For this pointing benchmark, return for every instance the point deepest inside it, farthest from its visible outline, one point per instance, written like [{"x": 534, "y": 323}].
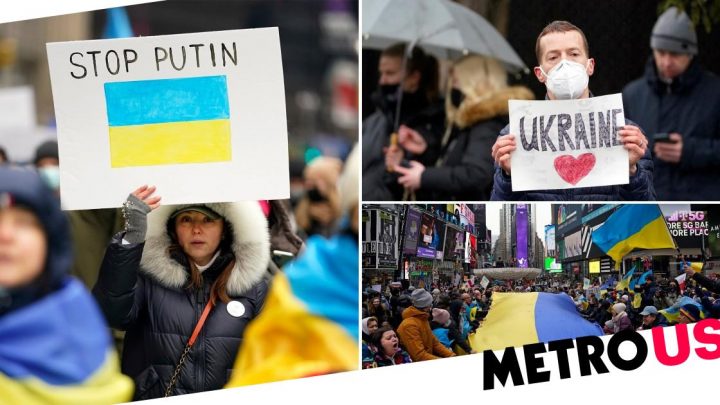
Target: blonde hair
[{"x": 478, "y": 77}]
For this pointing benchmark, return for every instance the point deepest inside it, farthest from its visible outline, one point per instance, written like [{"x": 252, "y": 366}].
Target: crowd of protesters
[{"x": 404, "y": 324}]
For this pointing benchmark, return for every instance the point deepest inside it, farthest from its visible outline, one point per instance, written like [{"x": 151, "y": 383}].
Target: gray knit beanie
[
  {"x": 674, "y": 32},
  {"x": 421, "y": 298}
]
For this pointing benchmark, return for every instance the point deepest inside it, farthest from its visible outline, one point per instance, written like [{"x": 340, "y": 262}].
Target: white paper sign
[
  {"x": 568, "y": 143},
  {"x": 484, "y": 282},
  {"x": 18, "y": 107},
  {"x": 201, "y": 116}
]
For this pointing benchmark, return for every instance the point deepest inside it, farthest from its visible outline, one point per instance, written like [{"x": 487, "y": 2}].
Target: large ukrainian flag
[
  {"x": 633, "y": 226},
  {"x": 58, "y": 351},
  {"x": 309, "y": 323},
  {"x": 168, "y": 121},
  {"x": 518, "y": 319}
]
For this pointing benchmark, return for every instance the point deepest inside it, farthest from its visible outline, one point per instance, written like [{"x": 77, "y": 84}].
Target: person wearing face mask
[
  {"x": 421, "y": 116},
  {"x": 47, "y": 163},
  {"x": 565, "y": 67},
  {"x": 316, "y": 211},
  {"x": 678, "y": 103},
  {"x": 477, "y": 108}
]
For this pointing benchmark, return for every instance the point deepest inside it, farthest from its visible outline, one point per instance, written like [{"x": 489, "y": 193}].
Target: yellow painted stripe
[
  {"x": 654, "y": 235},
  {"x": 170, "y": 143},
  {"x": 510, "y": 322},
  {"x": 105, "y": 386}
]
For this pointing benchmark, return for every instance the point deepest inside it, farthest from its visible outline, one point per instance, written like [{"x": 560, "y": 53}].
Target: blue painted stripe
[
  {"x": 167, "y": 100},
  {"x": 623, "y": 223},
  {"x": 557, "y": 318},
  {"x": 61, "y": 339}
]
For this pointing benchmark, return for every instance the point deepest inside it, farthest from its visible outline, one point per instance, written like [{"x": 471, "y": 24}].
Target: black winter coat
[
  {"x": 689, "y": 106},
  {"x": 142, "y": 289},
  {"x": 426, "y": 118},
  {"x": 465, "y": 168}
]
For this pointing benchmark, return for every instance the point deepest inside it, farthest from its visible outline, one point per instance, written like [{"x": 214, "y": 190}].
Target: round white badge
[{"x": 236, "y": 309}]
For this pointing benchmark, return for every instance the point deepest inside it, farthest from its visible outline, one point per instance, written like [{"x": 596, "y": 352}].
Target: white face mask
[{"x": 567, "y": 80}]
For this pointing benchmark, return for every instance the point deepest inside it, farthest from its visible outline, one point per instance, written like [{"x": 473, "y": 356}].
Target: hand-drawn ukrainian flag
[
  {"x": 168, "y": 121},
  {"x": 58, "y": 351},
  {"x": 633, "y": 226},
  {"x": 517, "y": 319},
  {"x": 673, "y": 313},
  {"x": 309, "y": 324}
]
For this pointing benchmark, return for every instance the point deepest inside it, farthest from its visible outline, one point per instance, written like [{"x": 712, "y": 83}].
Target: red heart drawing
[{"x": 573, "y": 169}]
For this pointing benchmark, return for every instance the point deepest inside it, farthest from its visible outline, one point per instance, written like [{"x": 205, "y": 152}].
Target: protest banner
[
  {"x": 201, "y": 116},
  {"x": 568, "y": 143}
]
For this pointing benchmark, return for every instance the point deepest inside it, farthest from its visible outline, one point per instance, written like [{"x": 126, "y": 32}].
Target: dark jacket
[
  {"x": 465, "y": 168},
  {"x": 660, "y": 321},
  {"x": 689, "y": 106},
  {"x": 426, "y": 118},
  {"x": 143, "y": 289},
  {"x": 640, "y": 187},
  {"x": 712, "y": 286},
  {"x": 379, "y": 359}
]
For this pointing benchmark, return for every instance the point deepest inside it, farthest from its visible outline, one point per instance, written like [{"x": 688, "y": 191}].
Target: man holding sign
[{"x": 570, "y": 150}]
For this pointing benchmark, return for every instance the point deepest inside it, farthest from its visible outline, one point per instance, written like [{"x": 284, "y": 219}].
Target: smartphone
[{"x": 663, "y": 137}]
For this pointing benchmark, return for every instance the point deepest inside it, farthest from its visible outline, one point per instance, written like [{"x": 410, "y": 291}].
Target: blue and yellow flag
[
  {"x": 673, "y": 313},
  {"x": 309, "y": 324},
  {"x": 633, "y": 226},
  {"x": 625, "y": 282},
  {"x": 644, "y": 276},
  {"x": 58, "y": 350},
  {"x": 517, "y": 319},
  {"x": 168, "y": 121}
]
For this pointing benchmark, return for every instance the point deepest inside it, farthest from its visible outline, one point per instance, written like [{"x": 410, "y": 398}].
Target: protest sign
[
  {"x": 484, "y": 282},
  {"x": 201, "y": 116},
  {"x": 568, "y": 143}
]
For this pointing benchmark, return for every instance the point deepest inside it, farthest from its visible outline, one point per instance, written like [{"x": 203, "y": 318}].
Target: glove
[{"x": 135, "y": 213}]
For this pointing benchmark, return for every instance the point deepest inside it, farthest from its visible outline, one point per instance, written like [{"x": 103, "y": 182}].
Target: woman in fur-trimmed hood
[
  {"x": 476, "y": 106},
  {"x": 159, "y": 275}
]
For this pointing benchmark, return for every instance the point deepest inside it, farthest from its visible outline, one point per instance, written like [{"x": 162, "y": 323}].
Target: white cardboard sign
[
  {"x": 484, "y": 282},
  {"x": 201, "y": 116},
  {"x": 568, "y": 143}
]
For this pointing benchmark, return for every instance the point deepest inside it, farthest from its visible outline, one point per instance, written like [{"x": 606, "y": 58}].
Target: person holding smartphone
[{"x": 678, "y": 103}]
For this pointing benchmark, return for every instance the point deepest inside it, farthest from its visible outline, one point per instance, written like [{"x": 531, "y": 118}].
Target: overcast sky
[{"x": 492, "y": 218}]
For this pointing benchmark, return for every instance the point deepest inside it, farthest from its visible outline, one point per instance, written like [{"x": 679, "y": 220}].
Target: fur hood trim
[
  {"x": 491, "y": 106},
  {"x": 251, "y": 246}
]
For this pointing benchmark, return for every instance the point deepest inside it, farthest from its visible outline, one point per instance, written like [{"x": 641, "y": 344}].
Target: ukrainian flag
[
  {"x": 625, "y": 282},
  {"x": 633, "y": 226},
  {"x": 644, "y": 276},
  {"x": 309, "y": 324},
  {"x": 673, "y": 313},
  {"x": 518, "y": 319},
  {"x": 58, "y": 350},
  {"x": 168, "y": 121}
]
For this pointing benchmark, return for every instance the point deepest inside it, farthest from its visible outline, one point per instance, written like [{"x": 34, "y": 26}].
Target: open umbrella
[{"x": 444, "y": 28}]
